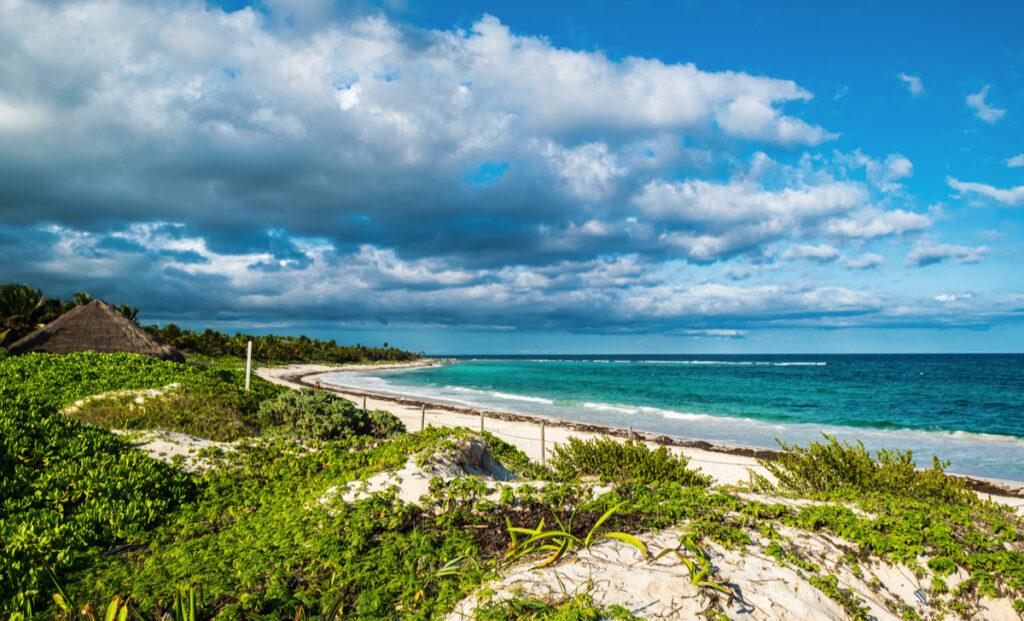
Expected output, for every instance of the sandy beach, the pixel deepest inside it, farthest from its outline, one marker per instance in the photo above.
(726, 464)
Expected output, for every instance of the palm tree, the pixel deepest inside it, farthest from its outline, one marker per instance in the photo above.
(131, 312)
(82, 298)
(21, 311)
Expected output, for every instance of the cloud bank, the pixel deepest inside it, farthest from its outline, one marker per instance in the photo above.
(204, 163)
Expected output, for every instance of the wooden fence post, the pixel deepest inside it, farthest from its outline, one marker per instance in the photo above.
(248, 364)
(543, 446)
(423, 417)
(481, 421)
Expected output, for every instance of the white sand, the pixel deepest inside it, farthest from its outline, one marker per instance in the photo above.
(177, 449)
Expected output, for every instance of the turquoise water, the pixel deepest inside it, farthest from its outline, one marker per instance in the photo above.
(968, 409)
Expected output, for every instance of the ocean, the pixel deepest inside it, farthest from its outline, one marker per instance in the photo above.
(967, 409)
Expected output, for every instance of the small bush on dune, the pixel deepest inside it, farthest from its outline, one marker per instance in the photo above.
(316, 415)
(211, 416)
(839, 467)
(621, 462)
(384, 424)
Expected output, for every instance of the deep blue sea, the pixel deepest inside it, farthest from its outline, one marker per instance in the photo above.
(968, 409)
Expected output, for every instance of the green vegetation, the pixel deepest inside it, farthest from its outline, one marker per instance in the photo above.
(563, 540)
(69, 492)
(620, 462)
(574, 608)
(315, 415)
(839, 467)
(274, 349)
(265, 533)
(214, 415)
(24, 310)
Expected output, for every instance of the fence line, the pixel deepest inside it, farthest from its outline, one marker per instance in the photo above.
(545, 443)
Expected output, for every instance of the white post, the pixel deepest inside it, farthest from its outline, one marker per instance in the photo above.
(248, 364)
(423, 417)
(543, 448)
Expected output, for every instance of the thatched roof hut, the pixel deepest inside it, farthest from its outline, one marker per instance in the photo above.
(98, 327)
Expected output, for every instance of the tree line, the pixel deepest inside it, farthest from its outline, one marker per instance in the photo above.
(24, 310)
(274, 348)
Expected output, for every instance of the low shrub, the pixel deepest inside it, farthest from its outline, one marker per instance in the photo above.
(214, 416)
(620, 462)
(838, 467)
(316, 415)
(384, 424)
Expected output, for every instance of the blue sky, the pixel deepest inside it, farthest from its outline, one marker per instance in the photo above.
(471, 177)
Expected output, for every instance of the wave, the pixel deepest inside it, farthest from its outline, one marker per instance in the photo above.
(500, 395)
(667, 362)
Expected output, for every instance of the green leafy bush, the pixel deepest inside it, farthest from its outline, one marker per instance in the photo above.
(316, 415)
(384, 424)
(839, 467)
(621, 462)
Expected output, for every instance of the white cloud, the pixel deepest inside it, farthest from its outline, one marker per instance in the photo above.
(981, 109)
(555, 89)
(822, 253)
(589, 171)
(913, 84)
(1016, 161)
(697, 200)
(868, 260)
(1009, 196)
(953, 297)
(883, 174)
(927, 253)
(872, 222)
(20, 118)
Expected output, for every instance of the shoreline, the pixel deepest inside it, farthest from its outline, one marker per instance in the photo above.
(729, 464)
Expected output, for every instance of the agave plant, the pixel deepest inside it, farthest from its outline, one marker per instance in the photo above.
(700, 571)
(561, 541)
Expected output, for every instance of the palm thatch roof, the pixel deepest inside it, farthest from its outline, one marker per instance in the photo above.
(98, 327)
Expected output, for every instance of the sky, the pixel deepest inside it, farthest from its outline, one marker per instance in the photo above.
(529, 177)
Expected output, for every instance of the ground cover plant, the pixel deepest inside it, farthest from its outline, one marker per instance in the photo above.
(265, 533)
(578, 607)
(67, 492)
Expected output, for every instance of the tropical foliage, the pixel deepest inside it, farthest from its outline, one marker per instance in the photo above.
(24, 310)
(272, 348)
